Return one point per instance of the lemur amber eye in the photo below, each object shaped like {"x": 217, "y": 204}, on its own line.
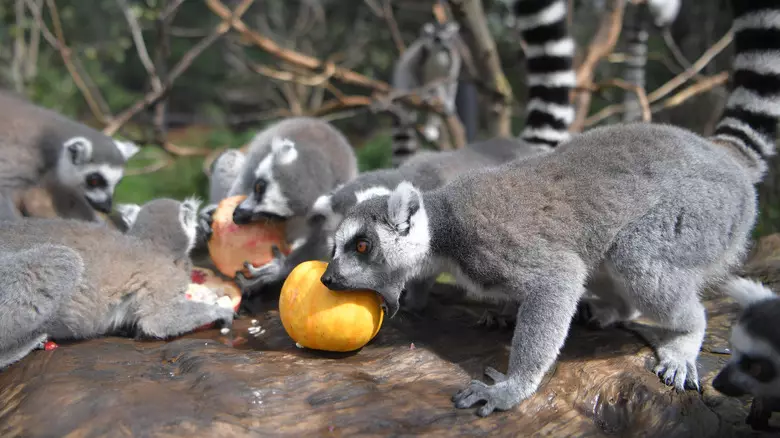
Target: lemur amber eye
{"x": 362, "y": 246}
{"x": 94, "y": 180}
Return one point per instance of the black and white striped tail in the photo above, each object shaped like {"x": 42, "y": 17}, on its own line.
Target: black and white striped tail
{"x": 635, "y": 31}
{"x": 549, "y": 55}
{"x": 753, "y": 107}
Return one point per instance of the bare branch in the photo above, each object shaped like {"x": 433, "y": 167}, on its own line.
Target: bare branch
{"x": 66, "y": 54}
{"x": 611, "y": 110}
{"x": 293, "y": 57}
{"x": 158, "y": 165}
{"x": 702, "y": 86}
{"x": 601, "y": 46}
{"x": 140, "y": 45}
{"x": 184, "y": 63}
{"x": 387, "y": 14}
{"x": 695, "y": 68}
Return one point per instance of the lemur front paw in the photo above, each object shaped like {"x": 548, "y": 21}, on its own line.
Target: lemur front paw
{"x": 205, "y": 219}
{"x": 502, "y": 395}
{"x": 678, "y": 372}
{"x": 760, "y": 412}
{"x": 264, "y": 275}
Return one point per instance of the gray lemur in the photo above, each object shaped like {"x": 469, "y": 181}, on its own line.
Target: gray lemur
{"x": 666, "y": 211}
{"x": 68, "y": 279}
{"x": 550, "y": 51}
{"x": 431, "y": 63}
{"x": 38, "y": 143}
{"x": 288, "y": 165}
{"x": 754, "y": 367}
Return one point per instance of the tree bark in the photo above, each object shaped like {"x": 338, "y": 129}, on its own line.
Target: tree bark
{"x": 471, "y": 16}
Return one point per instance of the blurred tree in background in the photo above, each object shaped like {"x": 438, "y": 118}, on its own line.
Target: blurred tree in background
{"x": 92, "y": 60}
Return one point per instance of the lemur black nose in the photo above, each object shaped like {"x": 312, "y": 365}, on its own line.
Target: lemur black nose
{"x": 242, "y": 216}
{"x": 102, "y": 206}
{"x": 326, "y": 279}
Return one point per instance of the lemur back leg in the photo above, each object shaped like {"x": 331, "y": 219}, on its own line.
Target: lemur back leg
{"x": 33, "y": 283}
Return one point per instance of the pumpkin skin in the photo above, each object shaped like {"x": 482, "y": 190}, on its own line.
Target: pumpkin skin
{"x": 231, "y": 245}
{"x": 321, "y": 319}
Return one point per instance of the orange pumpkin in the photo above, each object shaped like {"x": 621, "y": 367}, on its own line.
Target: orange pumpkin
{"x": 321, "y": 319}
{"x": 231, "y": 245}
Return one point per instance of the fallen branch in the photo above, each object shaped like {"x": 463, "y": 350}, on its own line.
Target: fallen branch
{"x": 601, "y": 46}
{"x": 184, "y": 63}
{"x": 286, "y": 76}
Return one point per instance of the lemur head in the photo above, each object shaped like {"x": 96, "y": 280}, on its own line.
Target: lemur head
{"x": 381, "y": 243}
{"x": 439, "y": 33}
{"x": 754, "y": 367}
{"x": 277, "y": 188}
{"x": 93, "y": 164}
{"x": 168, "y": 223}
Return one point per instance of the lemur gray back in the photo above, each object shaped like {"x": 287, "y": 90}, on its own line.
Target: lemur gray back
{"x": 33, "y": 139}
{"x": 311, "y": 157}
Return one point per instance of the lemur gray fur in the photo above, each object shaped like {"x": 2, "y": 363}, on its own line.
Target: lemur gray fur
{"x": 548, "y": 115}
{"x": 754, "y": 367}
{"x": 635, "y": 31}
{"x": 69, "y": 279}
{"x": 288, "y": 165}
{"x": 666, "y": 211}
{"x": 432, "y": 62}
{"x": 35, "y": 142}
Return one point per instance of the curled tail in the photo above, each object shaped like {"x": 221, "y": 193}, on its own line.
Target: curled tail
{"x": 551, "y": 76}
{"x": 750, "y": 119}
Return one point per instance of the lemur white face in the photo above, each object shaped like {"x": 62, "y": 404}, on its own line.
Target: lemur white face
{"x": 754, "y": 367}
{"x": 96, "y": 180}
{"x": 266, "y": 198}
{"x": 383, "y": 242}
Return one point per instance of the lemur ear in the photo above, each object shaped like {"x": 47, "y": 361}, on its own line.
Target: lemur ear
{"x": 127, "y": 148}
{"x": 79, "y": 150}
{"x": 128, "y": 213}
{"x": 284, "y": 150}
{"x": 402, "y": 204}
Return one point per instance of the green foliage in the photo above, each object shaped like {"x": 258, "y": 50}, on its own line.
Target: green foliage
{"x": 376, "y": 153}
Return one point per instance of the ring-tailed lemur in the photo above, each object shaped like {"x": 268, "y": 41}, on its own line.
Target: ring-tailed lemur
{"x": 35, "y": 141}
{"x": 667, "y": 211}
{"x": 663, "y": 13}
{"x": 286, "y": 168}
{"x": 548, "y": 116}
{"x": 433, "y": 62}
{"x": 754, "y": 367}
{"x": 68, "y": 279}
